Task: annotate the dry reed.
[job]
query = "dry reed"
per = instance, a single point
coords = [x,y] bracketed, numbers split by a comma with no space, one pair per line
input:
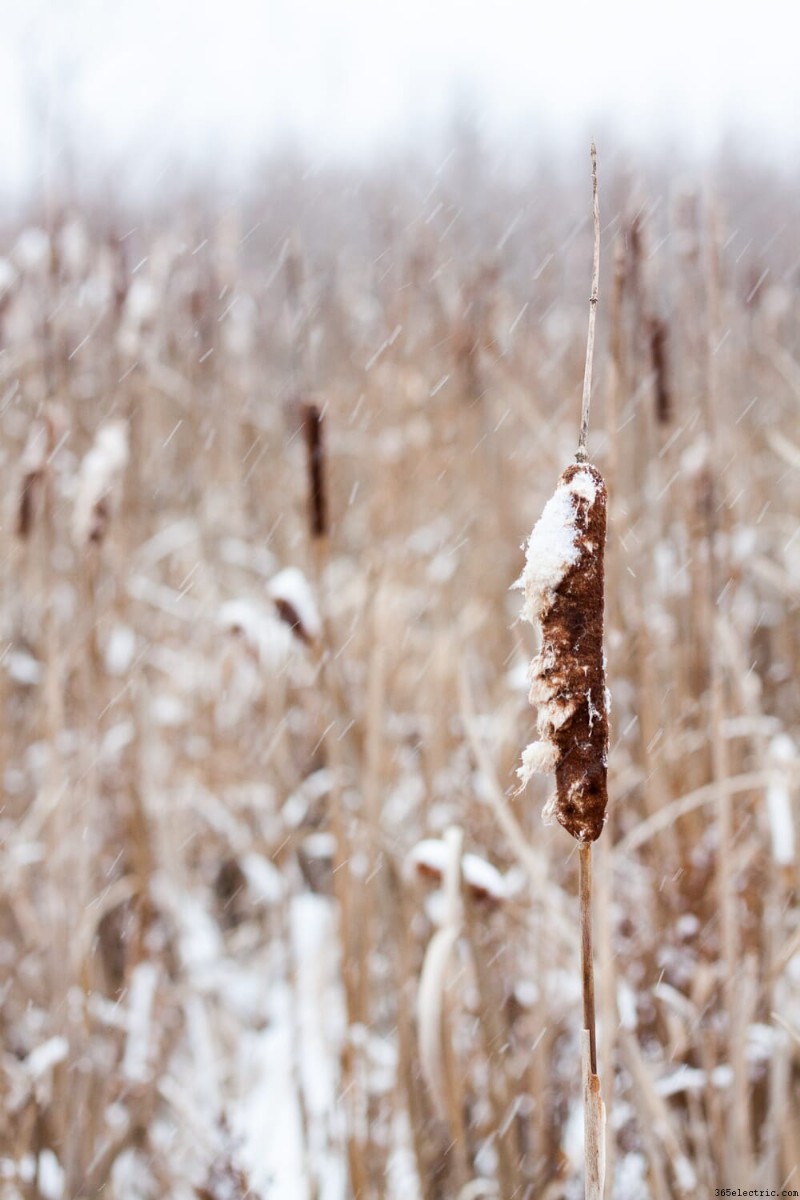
[209,946]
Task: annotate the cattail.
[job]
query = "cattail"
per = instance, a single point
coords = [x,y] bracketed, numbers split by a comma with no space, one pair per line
[657,329]
[34,463]
[315,449]
[294,603]
[39,450]
[563,581]
[563,585]
[293,272]
[99,483]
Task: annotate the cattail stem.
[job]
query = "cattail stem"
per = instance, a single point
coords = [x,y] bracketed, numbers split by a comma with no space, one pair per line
[587,373]
[587,961]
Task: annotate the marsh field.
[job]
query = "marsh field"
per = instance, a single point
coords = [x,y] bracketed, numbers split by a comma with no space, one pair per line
[268,462]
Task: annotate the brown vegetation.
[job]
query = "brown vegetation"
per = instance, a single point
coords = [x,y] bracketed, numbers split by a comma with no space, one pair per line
[210,940]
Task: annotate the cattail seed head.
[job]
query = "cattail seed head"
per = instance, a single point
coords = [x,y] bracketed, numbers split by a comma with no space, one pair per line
[315,451]
[657,329]
[563,582]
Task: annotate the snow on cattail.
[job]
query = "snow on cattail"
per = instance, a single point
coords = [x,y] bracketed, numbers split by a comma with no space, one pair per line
[295,604]
[429,860]
[98,483]
[264,634]
[563,586]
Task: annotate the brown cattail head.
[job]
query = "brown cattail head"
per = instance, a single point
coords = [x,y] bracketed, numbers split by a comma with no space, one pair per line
[315,450]
[291,617]
[657,329]
[564,584]
[34,468]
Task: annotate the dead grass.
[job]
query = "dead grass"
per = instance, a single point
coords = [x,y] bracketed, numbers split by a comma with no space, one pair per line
[210,935]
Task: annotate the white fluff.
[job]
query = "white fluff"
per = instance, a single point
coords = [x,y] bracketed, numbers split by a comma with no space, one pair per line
[539,757]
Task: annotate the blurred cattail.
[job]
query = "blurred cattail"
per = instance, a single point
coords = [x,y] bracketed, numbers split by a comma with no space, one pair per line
[38,451]
[34,462]
[563,585]
[118,248]
[657,331]
[99,482]
[295,604]
[481,880]
[313,431]
[635,243]
[293,272]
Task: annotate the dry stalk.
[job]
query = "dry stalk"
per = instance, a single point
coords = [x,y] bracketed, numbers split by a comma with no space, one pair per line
[353,935]
[587,374]
[739,1150]
[563,583]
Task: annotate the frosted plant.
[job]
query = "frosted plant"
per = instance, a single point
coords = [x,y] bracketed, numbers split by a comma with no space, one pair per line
[563,586]
[99,483]
[563,581]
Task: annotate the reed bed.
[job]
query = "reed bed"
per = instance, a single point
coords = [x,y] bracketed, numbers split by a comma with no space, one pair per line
[273,922]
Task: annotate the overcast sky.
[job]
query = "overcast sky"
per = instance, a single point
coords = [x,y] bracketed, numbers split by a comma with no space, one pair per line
[140,82]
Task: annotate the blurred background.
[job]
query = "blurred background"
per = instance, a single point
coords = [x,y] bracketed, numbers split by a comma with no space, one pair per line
[293,309]
[145,92]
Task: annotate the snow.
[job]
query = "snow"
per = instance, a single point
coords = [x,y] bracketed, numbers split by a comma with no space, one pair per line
[292,588]
[23,668]
[272,1133]
[115,740]
[552,547]
[31,251]
[269,638]
[298,1046]
[314,787]
[782,756]
[479,1189]
[626,1006]
[481,876]
[98,480]
[136,1062]
[551,551]
[431,856]
[51,1176]
[120,650]
[263,878]
[46,1056]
